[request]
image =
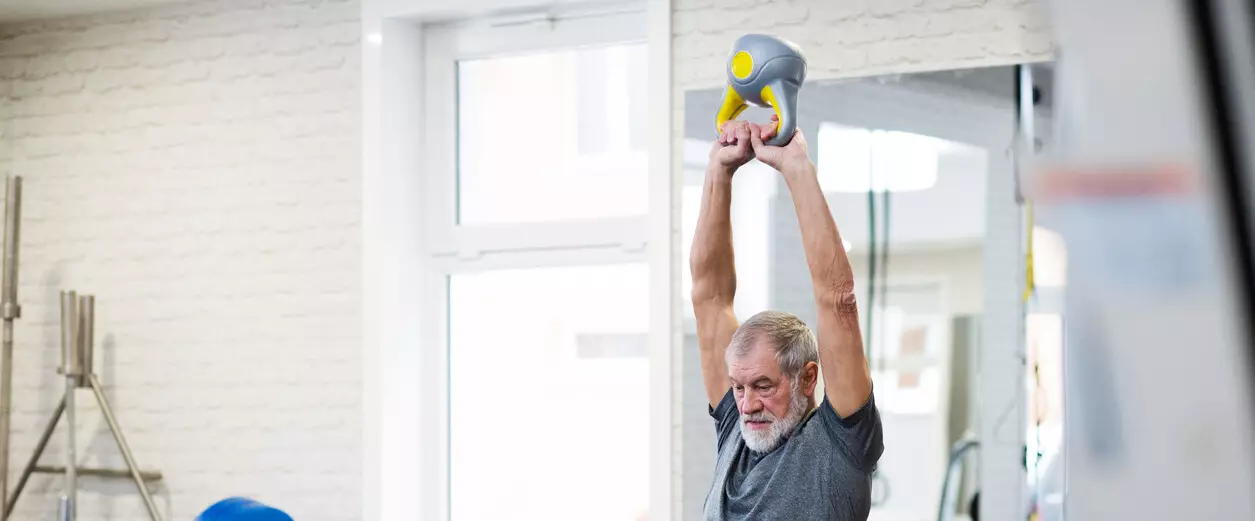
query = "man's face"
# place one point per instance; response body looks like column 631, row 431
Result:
column 771, row 404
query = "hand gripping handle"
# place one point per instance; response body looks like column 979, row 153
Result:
column 782, row 96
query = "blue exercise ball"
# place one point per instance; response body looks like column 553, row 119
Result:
column 242, row 509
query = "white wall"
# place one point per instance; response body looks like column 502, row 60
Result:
column 196, row 168
column 841, row 39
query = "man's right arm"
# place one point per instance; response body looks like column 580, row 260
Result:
column 712, row 265
column 714, row 280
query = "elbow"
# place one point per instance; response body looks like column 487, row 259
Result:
column 707, row 291
column 838, row 299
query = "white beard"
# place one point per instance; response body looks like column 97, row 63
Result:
column 780, row 428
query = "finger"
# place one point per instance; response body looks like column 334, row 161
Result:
column 743, row 137
column 725, row 135
column 769, row 131
column 730, row 131
column 756, row 141
column 747, row 129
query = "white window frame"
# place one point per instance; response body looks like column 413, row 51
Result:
column 457, row 245
column 453, row 248
column 396, row 259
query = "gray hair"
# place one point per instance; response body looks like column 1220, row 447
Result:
column 793, row 341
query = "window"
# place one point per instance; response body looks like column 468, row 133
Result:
column 1045, row 348
column 547, row 400
column 851, row 159
column 1050, row 260
column 536, row 193
column 1045, row 407
column 552, row 135
column 537, row 132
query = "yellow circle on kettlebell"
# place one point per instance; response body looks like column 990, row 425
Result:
column 742, row 64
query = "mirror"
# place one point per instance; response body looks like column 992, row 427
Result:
column 905, row 162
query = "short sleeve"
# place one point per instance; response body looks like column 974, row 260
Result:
column 726, row 418
column 859, row 435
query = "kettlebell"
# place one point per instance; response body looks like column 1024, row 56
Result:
column 764, row 71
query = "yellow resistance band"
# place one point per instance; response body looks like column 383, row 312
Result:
column 1029, row 285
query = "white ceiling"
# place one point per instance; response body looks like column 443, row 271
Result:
column 21, row 10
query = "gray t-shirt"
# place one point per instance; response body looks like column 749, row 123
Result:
column 822, row 472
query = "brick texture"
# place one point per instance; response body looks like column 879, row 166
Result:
column 197, row 168
column 862, row 37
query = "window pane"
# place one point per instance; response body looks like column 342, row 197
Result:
column 552, row 136
column 851, row 159
column 549, row 393
column 1043, row 385
column 1050, row 258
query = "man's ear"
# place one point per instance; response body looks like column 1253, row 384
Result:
column 810, row 375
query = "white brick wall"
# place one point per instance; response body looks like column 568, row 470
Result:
column 862, row 37
column 842, row 38
column 197, row 168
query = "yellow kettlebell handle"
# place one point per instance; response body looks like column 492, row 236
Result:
column 733, row 106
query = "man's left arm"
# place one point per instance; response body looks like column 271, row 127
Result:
column 847, row 380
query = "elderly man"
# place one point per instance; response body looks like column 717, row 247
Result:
column 781, row 455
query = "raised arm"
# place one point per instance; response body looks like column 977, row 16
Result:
column 847, row 380
column 711, row 260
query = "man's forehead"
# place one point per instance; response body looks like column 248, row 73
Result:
column 752, row 366
column 757, row 352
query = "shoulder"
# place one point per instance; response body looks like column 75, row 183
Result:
column 725, row 408
column 858, row 436
column 727, row 421
column 865, row 415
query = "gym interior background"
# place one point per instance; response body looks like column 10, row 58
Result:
column 350, row 257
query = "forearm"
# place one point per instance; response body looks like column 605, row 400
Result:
column 831, row 274
column 711, row 258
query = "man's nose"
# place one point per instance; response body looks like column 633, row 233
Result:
column 750, row 403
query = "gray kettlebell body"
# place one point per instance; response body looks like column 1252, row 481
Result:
column 764, row 71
